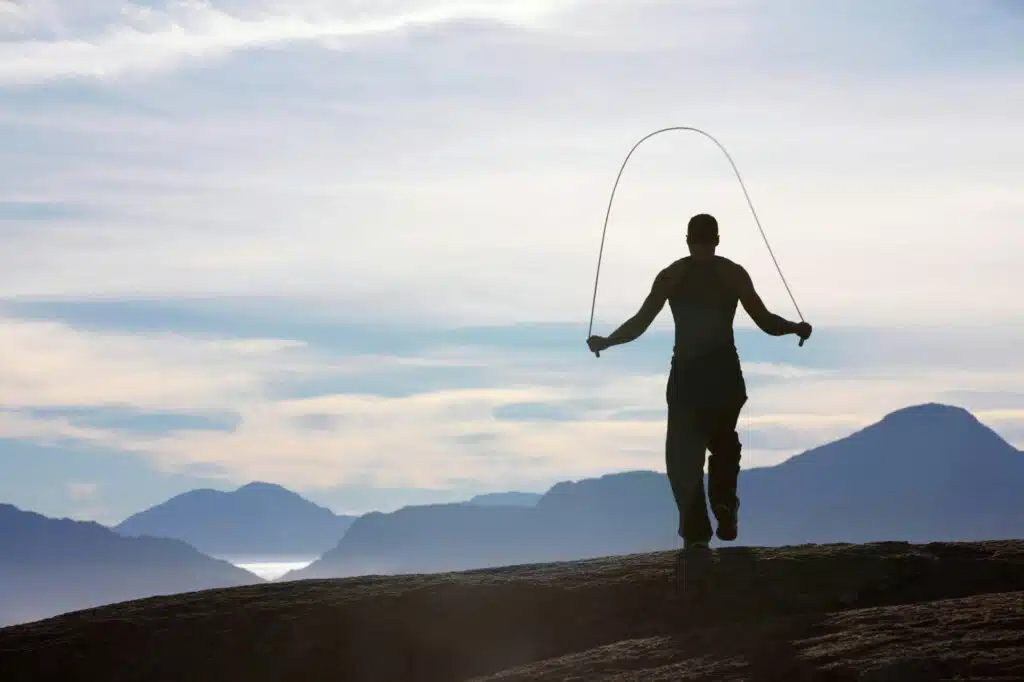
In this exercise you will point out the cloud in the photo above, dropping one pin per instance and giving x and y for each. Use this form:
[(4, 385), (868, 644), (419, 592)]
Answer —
[(532, 412), (58, 38), (61, 39), (81, 492), (535, 415), (28, 210), (53, 431), (128, 419), (49, 364), (472, 232), (85, 502)]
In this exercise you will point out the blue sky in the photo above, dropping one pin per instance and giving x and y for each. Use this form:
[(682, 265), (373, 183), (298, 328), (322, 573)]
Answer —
[(349, 247)]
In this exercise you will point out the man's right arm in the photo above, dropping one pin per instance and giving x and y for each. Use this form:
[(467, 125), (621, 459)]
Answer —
[(767, 321)]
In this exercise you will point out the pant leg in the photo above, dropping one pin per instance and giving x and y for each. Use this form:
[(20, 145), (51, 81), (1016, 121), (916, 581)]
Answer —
[(696, 524), (724, 461), (685, 446)]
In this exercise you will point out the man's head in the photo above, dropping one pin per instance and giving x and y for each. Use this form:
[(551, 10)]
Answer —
[(702, 234)]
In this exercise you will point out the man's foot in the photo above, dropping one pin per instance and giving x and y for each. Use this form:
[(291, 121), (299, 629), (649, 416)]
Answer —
[(696, 544), (728, 522)]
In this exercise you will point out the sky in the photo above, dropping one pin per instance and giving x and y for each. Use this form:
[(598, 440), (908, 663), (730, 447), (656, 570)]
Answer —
[(350, 247)]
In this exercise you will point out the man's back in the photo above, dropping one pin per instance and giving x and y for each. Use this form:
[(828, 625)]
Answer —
[(703, 296)]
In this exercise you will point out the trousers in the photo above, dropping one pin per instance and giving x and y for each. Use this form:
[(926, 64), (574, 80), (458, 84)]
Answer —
[(705, 397)]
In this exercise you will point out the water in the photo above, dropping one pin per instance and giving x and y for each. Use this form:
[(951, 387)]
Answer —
[(272, 570)]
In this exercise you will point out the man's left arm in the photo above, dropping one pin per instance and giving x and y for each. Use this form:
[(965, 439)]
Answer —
[(635, 326)]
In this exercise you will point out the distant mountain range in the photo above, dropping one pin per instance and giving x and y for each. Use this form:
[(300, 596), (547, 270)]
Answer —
[(256, 521), (52, 566), (262, 521), (512, 499), (923, 473)]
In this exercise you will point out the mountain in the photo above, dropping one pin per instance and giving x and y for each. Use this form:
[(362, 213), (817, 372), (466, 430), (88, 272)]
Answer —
[(925, 473), (256, 521), (510, 499), (52, 566), (437, 537), (614, 514)]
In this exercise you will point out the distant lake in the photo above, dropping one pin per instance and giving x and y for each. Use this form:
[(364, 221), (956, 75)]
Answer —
[(271, 569)]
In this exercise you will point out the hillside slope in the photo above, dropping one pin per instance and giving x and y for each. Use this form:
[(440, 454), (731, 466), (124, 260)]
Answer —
[(841, 612)]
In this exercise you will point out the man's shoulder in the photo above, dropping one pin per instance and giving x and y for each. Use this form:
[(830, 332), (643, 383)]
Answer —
[(730, 267), (673, 268), (669, 276), (672, 273)]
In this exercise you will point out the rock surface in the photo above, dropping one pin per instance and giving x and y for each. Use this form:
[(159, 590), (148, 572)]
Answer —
[(889, 611)]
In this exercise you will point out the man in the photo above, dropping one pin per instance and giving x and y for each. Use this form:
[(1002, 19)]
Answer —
[(705, 390)]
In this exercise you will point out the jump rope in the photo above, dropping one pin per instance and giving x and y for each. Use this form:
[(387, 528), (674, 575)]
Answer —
[(750, 203)]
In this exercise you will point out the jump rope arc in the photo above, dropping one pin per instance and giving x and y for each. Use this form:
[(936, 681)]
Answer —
[(753, 211)]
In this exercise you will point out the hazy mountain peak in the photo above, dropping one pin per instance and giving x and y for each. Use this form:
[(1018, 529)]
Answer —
[(262, 488), (945, 427), (258, 519), (928, 412), (511, 498), (919, 433)]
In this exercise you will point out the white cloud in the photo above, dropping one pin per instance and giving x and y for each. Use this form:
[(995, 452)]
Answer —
[(419, 441), (53, 430), (82, 492), (47, 363), (356, 216), (125, 38), (431, 439), (86, 504)]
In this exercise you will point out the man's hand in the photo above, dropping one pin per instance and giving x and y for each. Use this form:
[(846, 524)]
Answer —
[(596, 344), (803, 330)]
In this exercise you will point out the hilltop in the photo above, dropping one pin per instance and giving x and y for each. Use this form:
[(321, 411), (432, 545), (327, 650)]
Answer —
[(888, 611)]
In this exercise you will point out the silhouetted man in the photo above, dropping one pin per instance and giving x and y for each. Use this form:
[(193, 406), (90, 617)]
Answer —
[(705, 390)]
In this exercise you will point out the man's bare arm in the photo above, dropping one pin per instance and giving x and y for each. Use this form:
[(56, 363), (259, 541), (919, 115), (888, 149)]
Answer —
[(767, 321), (635, 326)]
